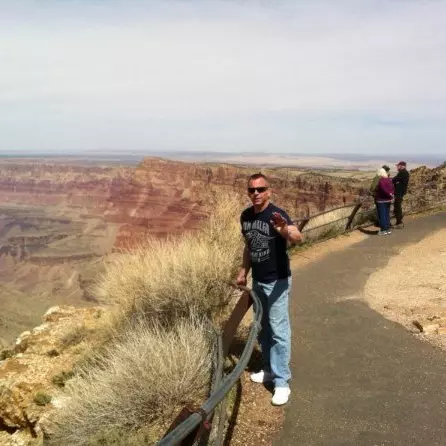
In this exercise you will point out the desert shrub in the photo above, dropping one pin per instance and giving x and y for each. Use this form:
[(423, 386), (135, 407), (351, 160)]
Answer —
[(324, 232), (52, 353), (329, 217), (120, 437), (5, 354), (61, 378), (166, 279), (365, 216), (42, 398), (75, 336), (145, 375)]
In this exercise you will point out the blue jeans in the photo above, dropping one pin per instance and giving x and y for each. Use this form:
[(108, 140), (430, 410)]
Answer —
[(275, 335), (383, 210)]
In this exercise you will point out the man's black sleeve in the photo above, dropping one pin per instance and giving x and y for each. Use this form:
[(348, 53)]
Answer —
[(405, 181), (401, 181)]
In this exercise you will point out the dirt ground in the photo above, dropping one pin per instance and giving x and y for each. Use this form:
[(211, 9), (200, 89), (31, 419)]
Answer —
[(412, 287)]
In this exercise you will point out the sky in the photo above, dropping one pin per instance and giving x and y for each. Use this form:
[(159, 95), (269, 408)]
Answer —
[(282, 76)]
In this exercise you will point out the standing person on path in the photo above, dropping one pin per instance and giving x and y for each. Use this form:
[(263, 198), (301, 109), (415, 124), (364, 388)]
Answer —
[(400, 182), (383, 198), (267, 230), (375, 180)]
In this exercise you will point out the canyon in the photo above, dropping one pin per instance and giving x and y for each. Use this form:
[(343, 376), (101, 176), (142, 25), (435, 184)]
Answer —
[(58, 222), (59, 218)]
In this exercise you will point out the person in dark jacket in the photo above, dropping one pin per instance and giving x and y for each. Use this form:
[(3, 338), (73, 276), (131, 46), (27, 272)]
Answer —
[(383, 198), (400, 182)]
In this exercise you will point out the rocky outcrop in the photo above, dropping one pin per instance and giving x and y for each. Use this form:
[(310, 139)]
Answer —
[(32, 372), (427, 187)]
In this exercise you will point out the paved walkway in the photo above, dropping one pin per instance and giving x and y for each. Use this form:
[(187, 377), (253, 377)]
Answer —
[(360, 379)]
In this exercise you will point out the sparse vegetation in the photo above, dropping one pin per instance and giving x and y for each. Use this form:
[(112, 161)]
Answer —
[(5, 354), (120, 437), (61, 378), (160, 355), (75, 336), (178, 277), (145, 374), (52, 353), (42, 398)]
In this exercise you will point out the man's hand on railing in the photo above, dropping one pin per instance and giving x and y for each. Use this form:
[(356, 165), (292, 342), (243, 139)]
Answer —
[(241, 278)]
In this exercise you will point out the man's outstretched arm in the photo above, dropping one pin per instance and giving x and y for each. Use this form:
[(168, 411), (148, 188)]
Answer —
[(293, 235)]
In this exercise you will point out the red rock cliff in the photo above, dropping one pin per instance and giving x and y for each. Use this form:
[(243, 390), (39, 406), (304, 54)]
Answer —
[(161, 197)]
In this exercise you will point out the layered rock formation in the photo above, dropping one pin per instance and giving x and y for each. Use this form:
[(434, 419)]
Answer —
[(160, 197), (157, 197), (42, 183), (57, 219)]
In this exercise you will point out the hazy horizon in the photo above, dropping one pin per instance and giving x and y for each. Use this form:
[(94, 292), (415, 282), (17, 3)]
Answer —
[(319, 161), (298, 77)]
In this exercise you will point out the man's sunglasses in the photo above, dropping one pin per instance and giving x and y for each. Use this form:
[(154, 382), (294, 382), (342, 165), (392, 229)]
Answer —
[(251, 190)]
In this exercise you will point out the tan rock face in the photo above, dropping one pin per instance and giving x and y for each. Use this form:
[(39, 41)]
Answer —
[(27, 381)]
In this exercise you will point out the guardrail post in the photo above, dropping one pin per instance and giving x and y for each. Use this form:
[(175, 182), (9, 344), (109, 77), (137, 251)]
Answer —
[(352, 216), (240, 309), (303, 223)]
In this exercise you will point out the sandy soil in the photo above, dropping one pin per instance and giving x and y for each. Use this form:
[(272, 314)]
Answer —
[(412, 287)]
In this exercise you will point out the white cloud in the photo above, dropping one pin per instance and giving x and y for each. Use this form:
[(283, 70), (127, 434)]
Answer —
[(206, 70)]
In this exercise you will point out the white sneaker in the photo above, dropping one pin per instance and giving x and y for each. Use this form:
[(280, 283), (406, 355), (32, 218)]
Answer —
[(262, 377), (281, 395)]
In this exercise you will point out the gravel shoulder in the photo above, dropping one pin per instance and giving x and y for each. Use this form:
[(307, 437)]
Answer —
[(411, 289)]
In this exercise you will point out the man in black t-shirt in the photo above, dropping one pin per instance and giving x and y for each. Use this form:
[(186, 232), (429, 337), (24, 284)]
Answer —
[(267, 230)]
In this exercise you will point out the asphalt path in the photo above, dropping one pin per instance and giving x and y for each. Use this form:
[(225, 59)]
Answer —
[(358, 378)]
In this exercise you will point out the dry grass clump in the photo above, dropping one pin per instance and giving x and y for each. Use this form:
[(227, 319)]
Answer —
[(144, 375), (187, 275), (329, 217), (327, 224), (160, 353)]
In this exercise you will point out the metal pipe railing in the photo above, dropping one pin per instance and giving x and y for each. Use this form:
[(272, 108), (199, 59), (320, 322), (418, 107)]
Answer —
[(188, 426)]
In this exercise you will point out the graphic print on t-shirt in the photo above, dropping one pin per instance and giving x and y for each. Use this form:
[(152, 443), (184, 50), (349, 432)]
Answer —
[(257, 234)]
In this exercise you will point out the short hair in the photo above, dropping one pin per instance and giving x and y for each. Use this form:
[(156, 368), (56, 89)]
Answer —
[(256, 176)]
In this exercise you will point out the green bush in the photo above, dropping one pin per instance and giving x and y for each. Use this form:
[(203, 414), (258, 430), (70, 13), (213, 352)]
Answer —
[(42, 398)]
